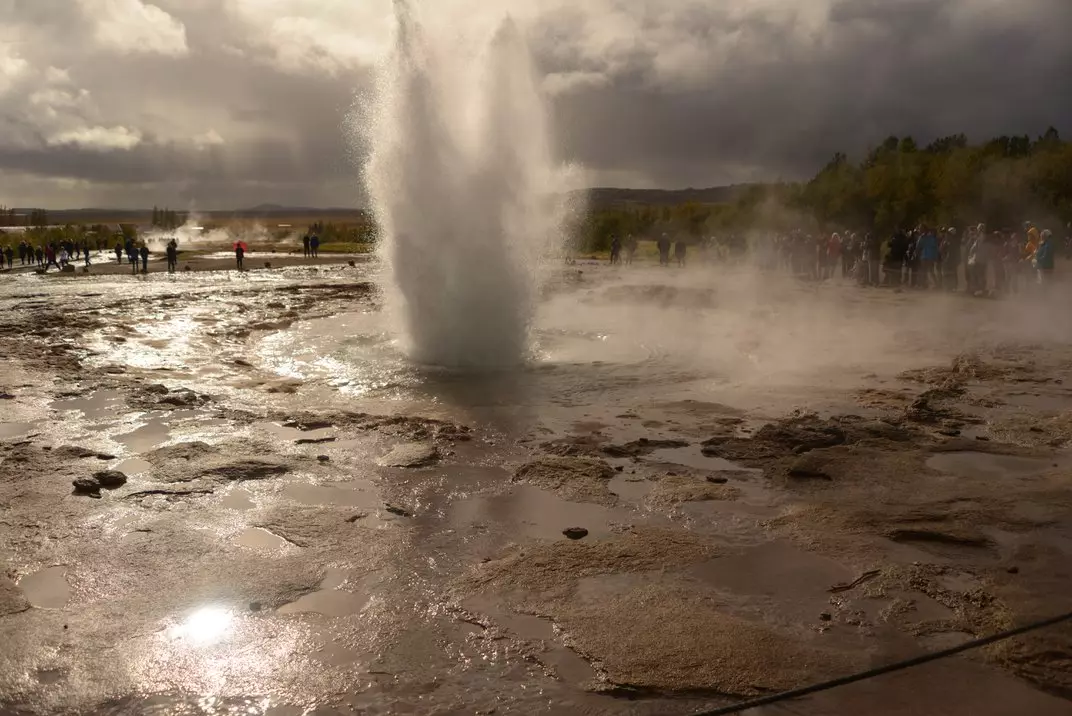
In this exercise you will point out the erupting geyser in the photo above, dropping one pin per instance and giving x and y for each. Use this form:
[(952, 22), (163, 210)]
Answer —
[(465, 192)]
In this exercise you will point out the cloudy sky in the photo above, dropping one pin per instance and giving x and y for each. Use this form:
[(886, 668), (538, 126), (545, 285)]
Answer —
[(230, 103)]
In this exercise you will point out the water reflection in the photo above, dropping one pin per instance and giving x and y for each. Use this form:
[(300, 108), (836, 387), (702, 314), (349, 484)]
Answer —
[(206, 626)]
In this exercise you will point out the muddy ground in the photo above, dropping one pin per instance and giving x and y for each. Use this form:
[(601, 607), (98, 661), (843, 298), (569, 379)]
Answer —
[(229, 494)]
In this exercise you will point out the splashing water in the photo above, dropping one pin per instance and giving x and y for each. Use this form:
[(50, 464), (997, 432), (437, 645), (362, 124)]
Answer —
[(465, 192)]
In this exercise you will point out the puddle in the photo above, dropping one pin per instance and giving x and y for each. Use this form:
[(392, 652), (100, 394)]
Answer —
[(133, 466), (631, 487), (531, 512), (260, 538), (692, 456), (794, 582), (99, 404), (46, 588), (566, 662), (16, 430), (351, 494), (331, 600), (292, 434), (985, 466), (238, 499), (146, 437)]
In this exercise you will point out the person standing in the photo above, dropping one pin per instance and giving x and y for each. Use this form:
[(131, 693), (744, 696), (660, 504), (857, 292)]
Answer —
[(680, 249), (144, 251), (240, 253), (664, 250), (1044, 259), (314, 245), (172, 256), (949, 256), (927, 250), (305, 245), (50, 256)]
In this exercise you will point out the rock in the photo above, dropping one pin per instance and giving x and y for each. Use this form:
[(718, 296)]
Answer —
[(323, 458), (351, 264), (267, 264), (982, 438), (579, 479), (86, 486), (717, 480), (354, 518), (809, 467), (180, 451), (110, 479), (825, 616), (76, 452), (242, 363), (398, 511), (410, 455), (246, 470), (1013, 570), (643, 446), (6, 396), (12, 600), (184, 398), (314, 441), (67, 269), (575, 532), (309, 425), (254, 606)]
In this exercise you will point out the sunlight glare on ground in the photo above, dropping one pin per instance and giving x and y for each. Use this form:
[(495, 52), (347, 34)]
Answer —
[(206, 626)]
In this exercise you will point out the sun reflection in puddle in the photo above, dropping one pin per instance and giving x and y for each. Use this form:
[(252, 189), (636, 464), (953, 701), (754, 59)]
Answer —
[(206, 626)]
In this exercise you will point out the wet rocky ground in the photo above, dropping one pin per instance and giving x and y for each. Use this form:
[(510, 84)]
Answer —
[(229, 494)]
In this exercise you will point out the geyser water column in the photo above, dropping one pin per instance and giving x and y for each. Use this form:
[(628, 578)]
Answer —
[(464, 190)]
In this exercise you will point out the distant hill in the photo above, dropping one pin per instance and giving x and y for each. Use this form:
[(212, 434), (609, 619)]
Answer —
[(598, 198), (606, 197)]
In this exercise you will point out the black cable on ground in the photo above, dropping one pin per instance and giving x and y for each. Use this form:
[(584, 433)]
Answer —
[(887, 669)]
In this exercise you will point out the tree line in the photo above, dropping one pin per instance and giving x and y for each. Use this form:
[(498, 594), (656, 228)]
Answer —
[(896, 185), (166, 218)]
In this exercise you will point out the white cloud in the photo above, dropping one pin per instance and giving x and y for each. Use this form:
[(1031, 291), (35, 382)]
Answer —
[(98, 138), (12, 67), (211, 138), (57, 76), (133, 26), (328, 36)]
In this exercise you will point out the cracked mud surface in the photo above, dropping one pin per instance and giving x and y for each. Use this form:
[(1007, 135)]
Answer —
[(307, 524)]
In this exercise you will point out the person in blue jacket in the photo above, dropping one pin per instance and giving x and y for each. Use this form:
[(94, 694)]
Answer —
[(927, 251), (1044, 258)]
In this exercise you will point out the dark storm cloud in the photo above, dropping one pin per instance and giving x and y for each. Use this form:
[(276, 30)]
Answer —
[(226, 103), (926, 68)]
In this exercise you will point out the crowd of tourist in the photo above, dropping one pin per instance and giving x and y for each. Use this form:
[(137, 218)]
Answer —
[(977, 260)]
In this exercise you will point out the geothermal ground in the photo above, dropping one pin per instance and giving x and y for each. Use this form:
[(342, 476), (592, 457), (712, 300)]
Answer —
[(779, 483)]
